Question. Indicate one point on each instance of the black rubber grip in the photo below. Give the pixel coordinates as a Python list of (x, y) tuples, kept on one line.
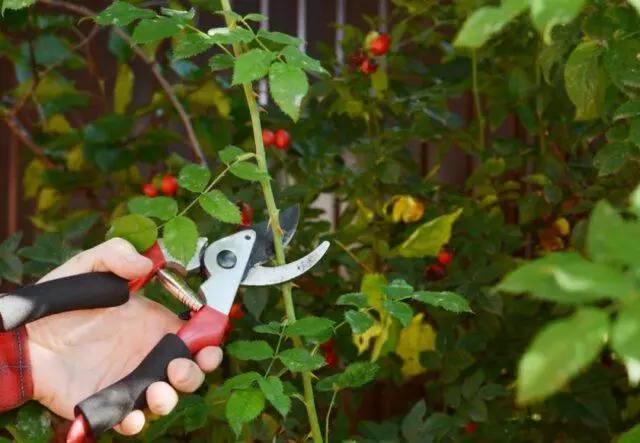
[(83, 291), (110, 406)]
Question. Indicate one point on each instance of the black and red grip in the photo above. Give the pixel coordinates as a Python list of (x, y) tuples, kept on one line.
[(107, 408)]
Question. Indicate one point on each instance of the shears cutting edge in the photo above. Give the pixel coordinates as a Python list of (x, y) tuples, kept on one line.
[(226, 264)]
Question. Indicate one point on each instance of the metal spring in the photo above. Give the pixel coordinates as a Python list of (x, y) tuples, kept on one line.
[(179, 289)]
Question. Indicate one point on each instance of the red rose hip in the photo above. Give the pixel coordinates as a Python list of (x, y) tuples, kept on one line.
[(282, 139), (246, 213), (149, 190), (268, 137), (169, 185), (369, 66), (471, 427), (380, 45), (445, 258)]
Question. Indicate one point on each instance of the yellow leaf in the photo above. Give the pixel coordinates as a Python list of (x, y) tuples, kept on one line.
[(380, 81), (75, 159), (407, 209), (57, 124), (418, 337), (210, 95), (371, 287), (39, 223), (562, 226), (428, 239), (398, 209), (363, 341), (32, 179), (48, 197), (123, 89)]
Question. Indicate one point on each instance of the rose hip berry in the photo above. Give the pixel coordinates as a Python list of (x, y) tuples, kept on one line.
[(268, 137), (445, 258), (331, 359), (471, 427), (149, 190), (380, 45), (169, 185), (368, 66), (236, 312), (247, 214), (435, 272), (282, 139)]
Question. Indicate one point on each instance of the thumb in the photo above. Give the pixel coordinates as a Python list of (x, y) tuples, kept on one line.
[(116, 255)]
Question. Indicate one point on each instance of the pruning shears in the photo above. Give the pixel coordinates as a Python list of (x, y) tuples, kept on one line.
[(226, 264)]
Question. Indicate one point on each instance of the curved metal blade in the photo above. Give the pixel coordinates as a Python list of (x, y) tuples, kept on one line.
[(267, 276), (263, 249)]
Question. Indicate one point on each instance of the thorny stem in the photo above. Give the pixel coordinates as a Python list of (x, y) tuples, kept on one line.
[(277, 233), (328, 419), (476, 101)]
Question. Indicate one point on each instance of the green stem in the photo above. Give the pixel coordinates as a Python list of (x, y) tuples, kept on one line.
[(476, 101), (275, 354), (328, 419), (274, 218)]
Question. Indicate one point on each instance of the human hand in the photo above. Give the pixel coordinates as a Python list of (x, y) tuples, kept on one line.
[(76, 354)]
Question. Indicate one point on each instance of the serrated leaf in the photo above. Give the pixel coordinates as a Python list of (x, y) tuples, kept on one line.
[(226, 36), (492, 390), (192, 44), (357, 299), (608, 237), (221, 61), (358, 374), (471, 385), (297, 58), (289, 85), (121, 14), (181, 238), (629, 110), (398, 290), (240, 381), (559, 352), (217, 205), (272, 328), (487, 21), (229, 154), (428, 239), (309, 327), (185, 16), (359, 321), (194, 178), (273, 390), (248, 171), (300, 360), (613, 156), (279, 37), (546, 14), (399, 310), (250, 350), (584, 80), (625, 339), (153, 30), (449, 301), (123, 89), (252, 65), (622, 64), (163, 208), (243, 407), (138, 230), (255, 17)]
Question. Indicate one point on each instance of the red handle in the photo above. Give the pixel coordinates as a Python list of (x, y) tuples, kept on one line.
[(154, 253)]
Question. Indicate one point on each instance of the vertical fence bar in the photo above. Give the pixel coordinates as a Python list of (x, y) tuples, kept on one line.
[(341, 9), (13, 186), (302, 24), (264, 91)]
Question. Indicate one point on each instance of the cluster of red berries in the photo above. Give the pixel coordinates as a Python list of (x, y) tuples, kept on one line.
[(436, 271), (329, 353), (376, 45), (279, 139), (247, 214), (169, 187)]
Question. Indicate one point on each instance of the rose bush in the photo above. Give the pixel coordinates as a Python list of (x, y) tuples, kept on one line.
[(505, 309)]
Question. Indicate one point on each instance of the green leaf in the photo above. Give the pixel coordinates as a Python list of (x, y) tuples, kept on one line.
[(398, 290), (358, 374), (273, 390), (449, 301), (289, 85), (629, 110), (279, 37), (153, 30), (217, 205), (194, 177), (226, 36), (181, 238), (138, 230), (33, 424), (248, 171), (613, 156), (399, 310), (632, 435), (10, 265), (243, 407), (608, 237), (252, 65), (634, 201), (231, 15), (185, 16), (272, 328), (240, 381), (309, 327), (559, 352), (584, 80), (229, 154), (471, 385), (163, 208), (359, 321), (413, 422), (255, 17), (250, 350), (192, 44), (120, 14), (622, 64), (546, 14), (492, 390), (221, 61), (488, 21), (428, 239), (300, 360), (123, 89), (625, 339), (357, 299), (297, 58)]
